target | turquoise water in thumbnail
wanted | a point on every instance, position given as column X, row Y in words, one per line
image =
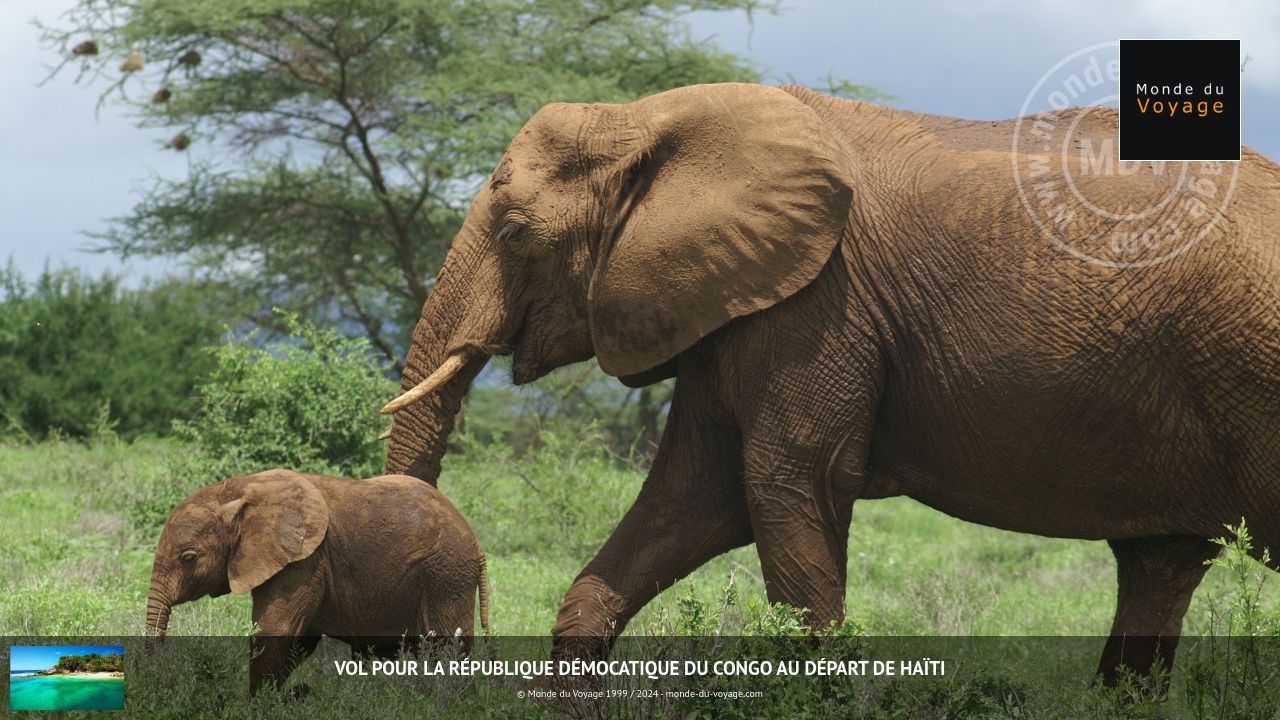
column 65, row 693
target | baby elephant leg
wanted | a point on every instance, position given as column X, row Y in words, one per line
column 450, row 614
column 282, row 610
column 275, row 657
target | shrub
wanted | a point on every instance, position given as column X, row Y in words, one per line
column 1232, row 669
column 309, row 403
column 93, row 662
column 71, row 345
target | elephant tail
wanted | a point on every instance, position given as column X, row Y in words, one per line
column 483, row 592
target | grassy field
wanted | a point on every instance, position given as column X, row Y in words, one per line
column 72, row 560
column 78, row 526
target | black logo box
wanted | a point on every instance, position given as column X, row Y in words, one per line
column 1179, row 71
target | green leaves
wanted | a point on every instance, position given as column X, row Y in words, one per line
column 72, row 345
column 307, row 404
column 93, row 662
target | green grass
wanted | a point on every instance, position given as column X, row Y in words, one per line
column 71, row 560
column 75, row 554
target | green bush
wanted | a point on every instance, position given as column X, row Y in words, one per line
column 93, row 662
column 309, row 403
column 71, row 345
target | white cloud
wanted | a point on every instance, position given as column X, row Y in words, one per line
column 1255, row 22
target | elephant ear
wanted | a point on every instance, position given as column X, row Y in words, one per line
column 276, row 517
column 733, row 201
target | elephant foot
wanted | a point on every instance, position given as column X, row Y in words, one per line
column 588, row 621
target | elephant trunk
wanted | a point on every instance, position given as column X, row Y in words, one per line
column 451, row 344
column 157, row 614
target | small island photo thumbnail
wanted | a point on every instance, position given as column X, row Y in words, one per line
column 66, row 677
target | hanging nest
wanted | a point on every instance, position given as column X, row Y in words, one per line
column 180, row 142
column 88, row 47
column 133, row 63
column 190, row 58
column 162, row 96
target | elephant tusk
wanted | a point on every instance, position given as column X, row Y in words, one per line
column 386, row 433
column 442, row 375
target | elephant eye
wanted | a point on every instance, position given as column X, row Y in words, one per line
column 509, row 233
column 188, row 557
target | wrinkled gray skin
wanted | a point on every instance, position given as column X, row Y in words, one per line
column 365, row 561
column 855, row 304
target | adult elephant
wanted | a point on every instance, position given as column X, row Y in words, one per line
column 855, row 304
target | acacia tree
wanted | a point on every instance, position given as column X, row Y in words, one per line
column 335, row 142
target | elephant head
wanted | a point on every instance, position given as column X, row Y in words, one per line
column 627, row 232
column 232, row 537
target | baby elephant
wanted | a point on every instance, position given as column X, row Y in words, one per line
column 364, row 561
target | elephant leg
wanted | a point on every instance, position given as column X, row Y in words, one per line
column 1156, row 578
column 283, row 609
column 275, row 657
column 804, row 468
column 451, row 614
column 690, row 509
column 802, row 535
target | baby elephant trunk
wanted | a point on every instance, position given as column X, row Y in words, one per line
column 484, row 593
column 157, row 614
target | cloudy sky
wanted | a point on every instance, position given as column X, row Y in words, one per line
column 63, row 172
column 43, row 657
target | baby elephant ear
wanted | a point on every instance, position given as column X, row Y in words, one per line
column 276, row 517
